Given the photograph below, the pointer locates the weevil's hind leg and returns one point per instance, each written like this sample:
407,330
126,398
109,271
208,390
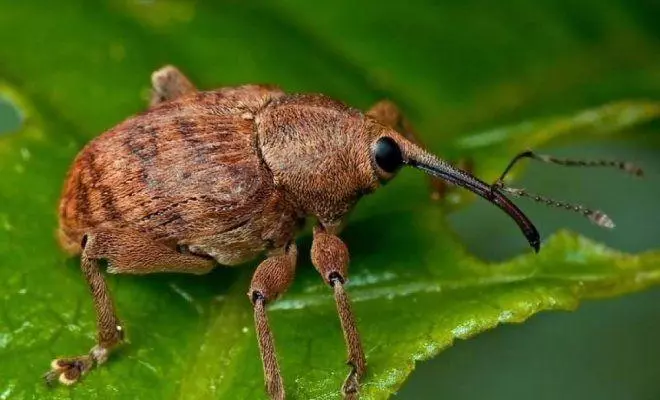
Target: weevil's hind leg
330,257
110,332
126,252
168,83
272,278
389,114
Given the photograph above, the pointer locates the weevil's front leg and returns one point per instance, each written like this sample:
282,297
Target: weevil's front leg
389,114
330,258
272,278
125,252
168,83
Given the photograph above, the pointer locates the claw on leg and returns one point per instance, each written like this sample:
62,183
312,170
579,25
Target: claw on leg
68,370
351,384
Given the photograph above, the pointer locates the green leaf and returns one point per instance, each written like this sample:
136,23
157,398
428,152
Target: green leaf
74,69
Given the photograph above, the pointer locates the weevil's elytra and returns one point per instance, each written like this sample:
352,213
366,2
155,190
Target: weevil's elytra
217,178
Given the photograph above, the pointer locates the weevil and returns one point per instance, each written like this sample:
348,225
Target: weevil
216,178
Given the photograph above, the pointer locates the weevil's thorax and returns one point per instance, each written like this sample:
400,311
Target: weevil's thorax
318,151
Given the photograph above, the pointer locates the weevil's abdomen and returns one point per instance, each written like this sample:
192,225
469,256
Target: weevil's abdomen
187,173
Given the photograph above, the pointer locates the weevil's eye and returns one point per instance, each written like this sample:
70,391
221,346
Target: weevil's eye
387,155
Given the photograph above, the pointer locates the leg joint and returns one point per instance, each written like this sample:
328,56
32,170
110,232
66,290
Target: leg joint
257,296
334,278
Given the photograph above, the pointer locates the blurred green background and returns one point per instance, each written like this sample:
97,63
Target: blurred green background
605,350
455,67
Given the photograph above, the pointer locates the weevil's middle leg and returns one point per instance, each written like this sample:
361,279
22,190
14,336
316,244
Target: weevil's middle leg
389,114
168,83
272,278
330,257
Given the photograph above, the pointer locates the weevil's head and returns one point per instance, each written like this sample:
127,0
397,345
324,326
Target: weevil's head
326,156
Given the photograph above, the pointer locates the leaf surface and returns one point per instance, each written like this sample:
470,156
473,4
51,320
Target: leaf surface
74,69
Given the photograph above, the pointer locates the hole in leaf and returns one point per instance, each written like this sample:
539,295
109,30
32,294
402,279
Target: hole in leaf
630,202
11,117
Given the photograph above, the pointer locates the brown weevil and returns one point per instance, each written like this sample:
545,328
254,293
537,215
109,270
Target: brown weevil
208,178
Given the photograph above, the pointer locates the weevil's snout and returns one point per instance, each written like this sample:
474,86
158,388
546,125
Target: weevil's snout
392,151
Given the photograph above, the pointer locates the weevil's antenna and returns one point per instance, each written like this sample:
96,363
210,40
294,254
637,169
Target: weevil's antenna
568,162
596,216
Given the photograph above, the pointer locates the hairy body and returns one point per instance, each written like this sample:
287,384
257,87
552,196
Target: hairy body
220,177
187,173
